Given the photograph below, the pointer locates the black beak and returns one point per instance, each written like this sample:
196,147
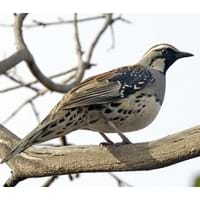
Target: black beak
182,54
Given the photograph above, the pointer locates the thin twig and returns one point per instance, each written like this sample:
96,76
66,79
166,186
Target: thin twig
42,92
79,51
36,113
81,68
120,182
108,21
37,23
49,181
31,99
21,83
112,37
36,81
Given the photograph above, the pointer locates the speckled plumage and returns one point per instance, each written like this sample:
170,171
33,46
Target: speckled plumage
129,98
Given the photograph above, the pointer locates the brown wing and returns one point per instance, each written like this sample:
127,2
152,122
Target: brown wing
107,87
95,90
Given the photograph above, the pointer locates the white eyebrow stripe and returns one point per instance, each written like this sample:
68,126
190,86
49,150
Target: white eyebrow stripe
159,47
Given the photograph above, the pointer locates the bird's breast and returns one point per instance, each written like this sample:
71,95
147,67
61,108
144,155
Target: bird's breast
130,114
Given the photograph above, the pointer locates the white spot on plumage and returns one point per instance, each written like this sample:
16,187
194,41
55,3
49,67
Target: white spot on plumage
136,87
141,82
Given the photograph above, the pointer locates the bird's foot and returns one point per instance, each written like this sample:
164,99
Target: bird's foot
106,144
112,144
122,143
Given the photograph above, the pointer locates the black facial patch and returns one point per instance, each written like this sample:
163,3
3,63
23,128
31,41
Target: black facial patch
170,57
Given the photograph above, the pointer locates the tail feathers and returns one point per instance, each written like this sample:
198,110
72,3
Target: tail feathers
40,134
26,142
16,150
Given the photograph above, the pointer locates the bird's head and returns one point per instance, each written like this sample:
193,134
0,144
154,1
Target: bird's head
162,56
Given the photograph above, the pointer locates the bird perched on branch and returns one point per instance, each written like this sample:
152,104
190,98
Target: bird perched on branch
122,100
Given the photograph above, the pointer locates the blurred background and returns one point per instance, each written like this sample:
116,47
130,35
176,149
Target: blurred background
123,43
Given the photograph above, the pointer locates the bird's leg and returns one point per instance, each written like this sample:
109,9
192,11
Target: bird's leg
125,140
109,142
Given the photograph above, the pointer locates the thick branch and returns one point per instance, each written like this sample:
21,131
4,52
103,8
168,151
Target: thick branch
12,61
39,162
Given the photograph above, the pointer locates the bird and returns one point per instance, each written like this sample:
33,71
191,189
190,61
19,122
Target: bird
122,100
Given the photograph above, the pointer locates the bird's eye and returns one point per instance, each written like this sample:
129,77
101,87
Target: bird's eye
164,52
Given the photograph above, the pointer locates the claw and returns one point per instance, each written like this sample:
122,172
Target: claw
106,144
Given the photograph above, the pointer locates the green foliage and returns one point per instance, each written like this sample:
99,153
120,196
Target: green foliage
197,182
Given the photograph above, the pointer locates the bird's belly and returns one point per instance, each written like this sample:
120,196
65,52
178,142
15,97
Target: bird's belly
131,115
141,117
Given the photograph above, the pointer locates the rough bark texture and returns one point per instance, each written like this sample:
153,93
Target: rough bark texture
38,162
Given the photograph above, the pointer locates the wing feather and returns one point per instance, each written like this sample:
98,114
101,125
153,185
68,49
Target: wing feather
107,87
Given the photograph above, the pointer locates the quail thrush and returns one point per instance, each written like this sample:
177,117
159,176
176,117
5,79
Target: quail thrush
122,100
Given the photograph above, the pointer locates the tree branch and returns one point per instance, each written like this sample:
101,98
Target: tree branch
12,61
39,162
60,21
120,182
36,81
24,54
20,43
107,23
50,181
20,82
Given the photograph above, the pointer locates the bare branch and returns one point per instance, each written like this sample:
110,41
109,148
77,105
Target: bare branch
36,81
120,182
40,162
62,22
31,99
33,66
12,61
79,51
35,111
37,23
113,38
108,21
12,181
120,18
23,54
21,83
50,181
81,69
53,178
40,93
